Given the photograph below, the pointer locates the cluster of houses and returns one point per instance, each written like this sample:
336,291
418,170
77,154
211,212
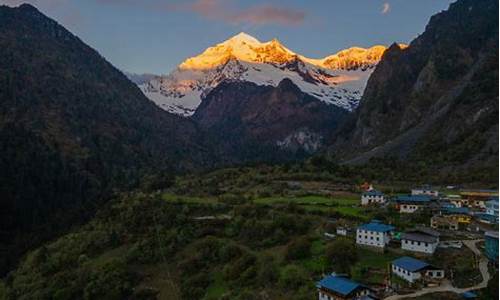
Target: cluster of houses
378,235
450,212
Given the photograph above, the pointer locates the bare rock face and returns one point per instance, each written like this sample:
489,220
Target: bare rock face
436,100
282,118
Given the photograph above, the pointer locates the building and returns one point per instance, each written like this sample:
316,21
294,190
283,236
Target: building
461,214
451,218
372,197
374,234
412,203
477,198
444,222
423,240
413,270
491,246
337,287
425,190
342,231
492,208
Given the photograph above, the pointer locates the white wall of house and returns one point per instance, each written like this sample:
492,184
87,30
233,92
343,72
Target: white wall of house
323,296
372,238
405,274
408,208
372,199
422,247
342,231
492,208
424,192
436,274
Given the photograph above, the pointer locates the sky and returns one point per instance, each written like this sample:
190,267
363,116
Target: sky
154,36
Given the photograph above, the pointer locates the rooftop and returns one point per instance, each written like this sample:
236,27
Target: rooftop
492,234
469,295
339,284
414,198
373,193
455,210
425,230
376,226
410,264
418,237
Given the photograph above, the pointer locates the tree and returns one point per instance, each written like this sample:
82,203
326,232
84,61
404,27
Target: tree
343,254
292,277
298,248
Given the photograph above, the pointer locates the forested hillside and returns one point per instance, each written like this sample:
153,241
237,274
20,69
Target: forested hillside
72,127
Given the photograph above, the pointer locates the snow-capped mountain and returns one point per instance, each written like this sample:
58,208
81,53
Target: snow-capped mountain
337,79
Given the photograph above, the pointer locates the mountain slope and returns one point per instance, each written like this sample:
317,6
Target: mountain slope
256,122
437,100
337,79
71,128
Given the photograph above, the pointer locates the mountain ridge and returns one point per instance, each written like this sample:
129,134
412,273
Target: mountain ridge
436,100
337,79
73,129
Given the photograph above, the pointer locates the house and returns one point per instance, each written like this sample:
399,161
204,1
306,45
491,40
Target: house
372,197
451,218
412,270
423,240
491,246
477,198
338,287
492,208
425,190
366,187
342,231
411,203
444,222
374,234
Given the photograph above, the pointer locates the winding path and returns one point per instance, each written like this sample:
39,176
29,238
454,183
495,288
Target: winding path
447,286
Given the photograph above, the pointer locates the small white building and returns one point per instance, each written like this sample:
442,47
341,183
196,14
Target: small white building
338,287
411,203
492,208
423,240
425,190
412,270
374,234
372,197
342,231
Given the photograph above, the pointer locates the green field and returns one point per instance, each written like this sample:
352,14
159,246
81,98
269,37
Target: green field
372,266
188,199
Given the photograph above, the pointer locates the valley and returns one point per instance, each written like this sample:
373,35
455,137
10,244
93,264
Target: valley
241,233
249,171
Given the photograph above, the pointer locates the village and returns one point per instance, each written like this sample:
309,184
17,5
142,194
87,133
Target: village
459,220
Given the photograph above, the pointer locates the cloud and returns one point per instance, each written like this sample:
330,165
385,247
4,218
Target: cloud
386,7
267,14
254,15
38,3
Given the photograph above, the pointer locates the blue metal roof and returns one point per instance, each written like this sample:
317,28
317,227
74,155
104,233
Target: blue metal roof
493,200
456,210
410,264
469,295
375,225
339,284
373,193
413,198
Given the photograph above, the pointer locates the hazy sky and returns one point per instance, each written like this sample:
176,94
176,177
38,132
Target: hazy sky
156,35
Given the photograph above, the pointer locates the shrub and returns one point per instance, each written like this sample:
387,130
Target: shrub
298,248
